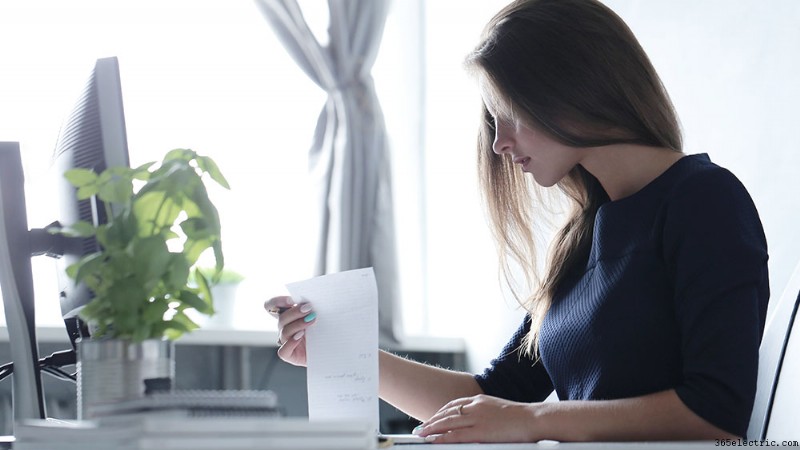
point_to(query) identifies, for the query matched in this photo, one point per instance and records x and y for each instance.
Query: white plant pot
(225, 308)
(113, 370)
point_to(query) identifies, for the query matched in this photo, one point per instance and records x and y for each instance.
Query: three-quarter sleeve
(515, 376)
(716, 254)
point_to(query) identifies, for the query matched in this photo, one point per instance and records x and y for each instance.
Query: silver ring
(460, 407)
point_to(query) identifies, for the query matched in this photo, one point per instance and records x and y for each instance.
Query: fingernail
(305, 308)
(298, 335)
(417, 429)
(310, 317)
(430, 438)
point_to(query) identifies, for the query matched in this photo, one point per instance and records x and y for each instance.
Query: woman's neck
(624, 169)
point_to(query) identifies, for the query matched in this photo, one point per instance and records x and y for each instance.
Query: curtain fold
(349, 157)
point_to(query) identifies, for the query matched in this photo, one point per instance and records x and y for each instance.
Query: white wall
(731, 68)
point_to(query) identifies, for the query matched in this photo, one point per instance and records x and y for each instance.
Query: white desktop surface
(703, 445)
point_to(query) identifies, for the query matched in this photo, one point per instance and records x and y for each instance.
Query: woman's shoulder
(704, 195)
(698, 180)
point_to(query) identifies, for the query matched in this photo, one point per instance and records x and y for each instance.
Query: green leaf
(179, 324)
(199, 196)
(155, 310)
(193, 249)
(92, 311)
(176, 276)
(116, 185)
(118, 233)
(143, 172)
(169, 234)
(150, 258)
(209, 166)
(155, 212)
(173, 177)
(185, 322)
(126, 325)
(193, 300)
(87, 191)
(204, 287)
(119, 191)
(218, 256)
(197, 228)
(128, 295)
(160, 330)
(141, 332)
(87, 269)
(170, 332)
(80, 177)
(182, 154)
(77, 229)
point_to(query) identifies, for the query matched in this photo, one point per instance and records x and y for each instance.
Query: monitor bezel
(102, 100)
(16, 277)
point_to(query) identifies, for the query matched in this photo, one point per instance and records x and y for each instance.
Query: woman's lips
(523, 161)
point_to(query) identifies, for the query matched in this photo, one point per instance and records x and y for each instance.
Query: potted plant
(142, 275)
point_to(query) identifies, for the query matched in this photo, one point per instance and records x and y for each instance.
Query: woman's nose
(503, 141)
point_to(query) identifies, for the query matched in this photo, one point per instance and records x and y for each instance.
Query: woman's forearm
(420, 390)
(659, 416)
(482, 418)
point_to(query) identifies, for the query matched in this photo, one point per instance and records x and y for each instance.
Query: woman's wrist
(548, 419)
(658, 416)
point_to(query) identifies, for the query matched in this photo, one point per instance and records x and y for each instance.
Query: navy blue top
(674, 296)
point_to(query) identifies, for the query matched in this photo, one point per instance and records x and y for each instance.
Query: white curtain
(349, 157)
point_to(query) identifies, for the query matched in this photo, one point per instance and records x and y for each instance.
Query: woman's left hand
(482, 418)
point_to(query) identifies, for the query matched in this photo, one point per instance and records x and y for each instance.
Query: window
(210, 75)
(203, 74)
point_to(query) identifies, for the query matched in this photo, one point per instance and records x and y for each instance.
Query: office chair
(776, 412)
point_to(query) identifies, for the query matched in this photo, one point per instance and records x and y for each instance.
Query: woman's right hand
(293, 320)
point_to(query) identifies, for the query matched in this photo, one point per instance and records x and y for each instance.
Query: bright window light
(204, 74)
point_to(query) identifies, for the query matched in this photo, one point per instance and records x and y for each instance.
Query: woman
(649, 315)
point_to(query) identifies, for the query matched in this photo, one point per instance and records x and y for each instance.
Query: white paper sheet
(342, 346)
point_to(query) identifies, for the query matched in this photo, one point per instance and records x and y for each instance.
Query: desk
(704, 445)
(549, 446)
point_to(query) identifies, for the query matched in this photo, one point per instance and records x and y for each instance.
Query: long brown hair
(573, 69)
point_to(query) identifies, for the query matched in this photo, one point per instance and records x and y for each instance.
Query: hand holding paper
(342, 347)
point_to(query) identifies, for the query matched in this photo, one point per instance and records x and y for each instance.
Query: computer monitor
(93, 136)
(16, 283)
